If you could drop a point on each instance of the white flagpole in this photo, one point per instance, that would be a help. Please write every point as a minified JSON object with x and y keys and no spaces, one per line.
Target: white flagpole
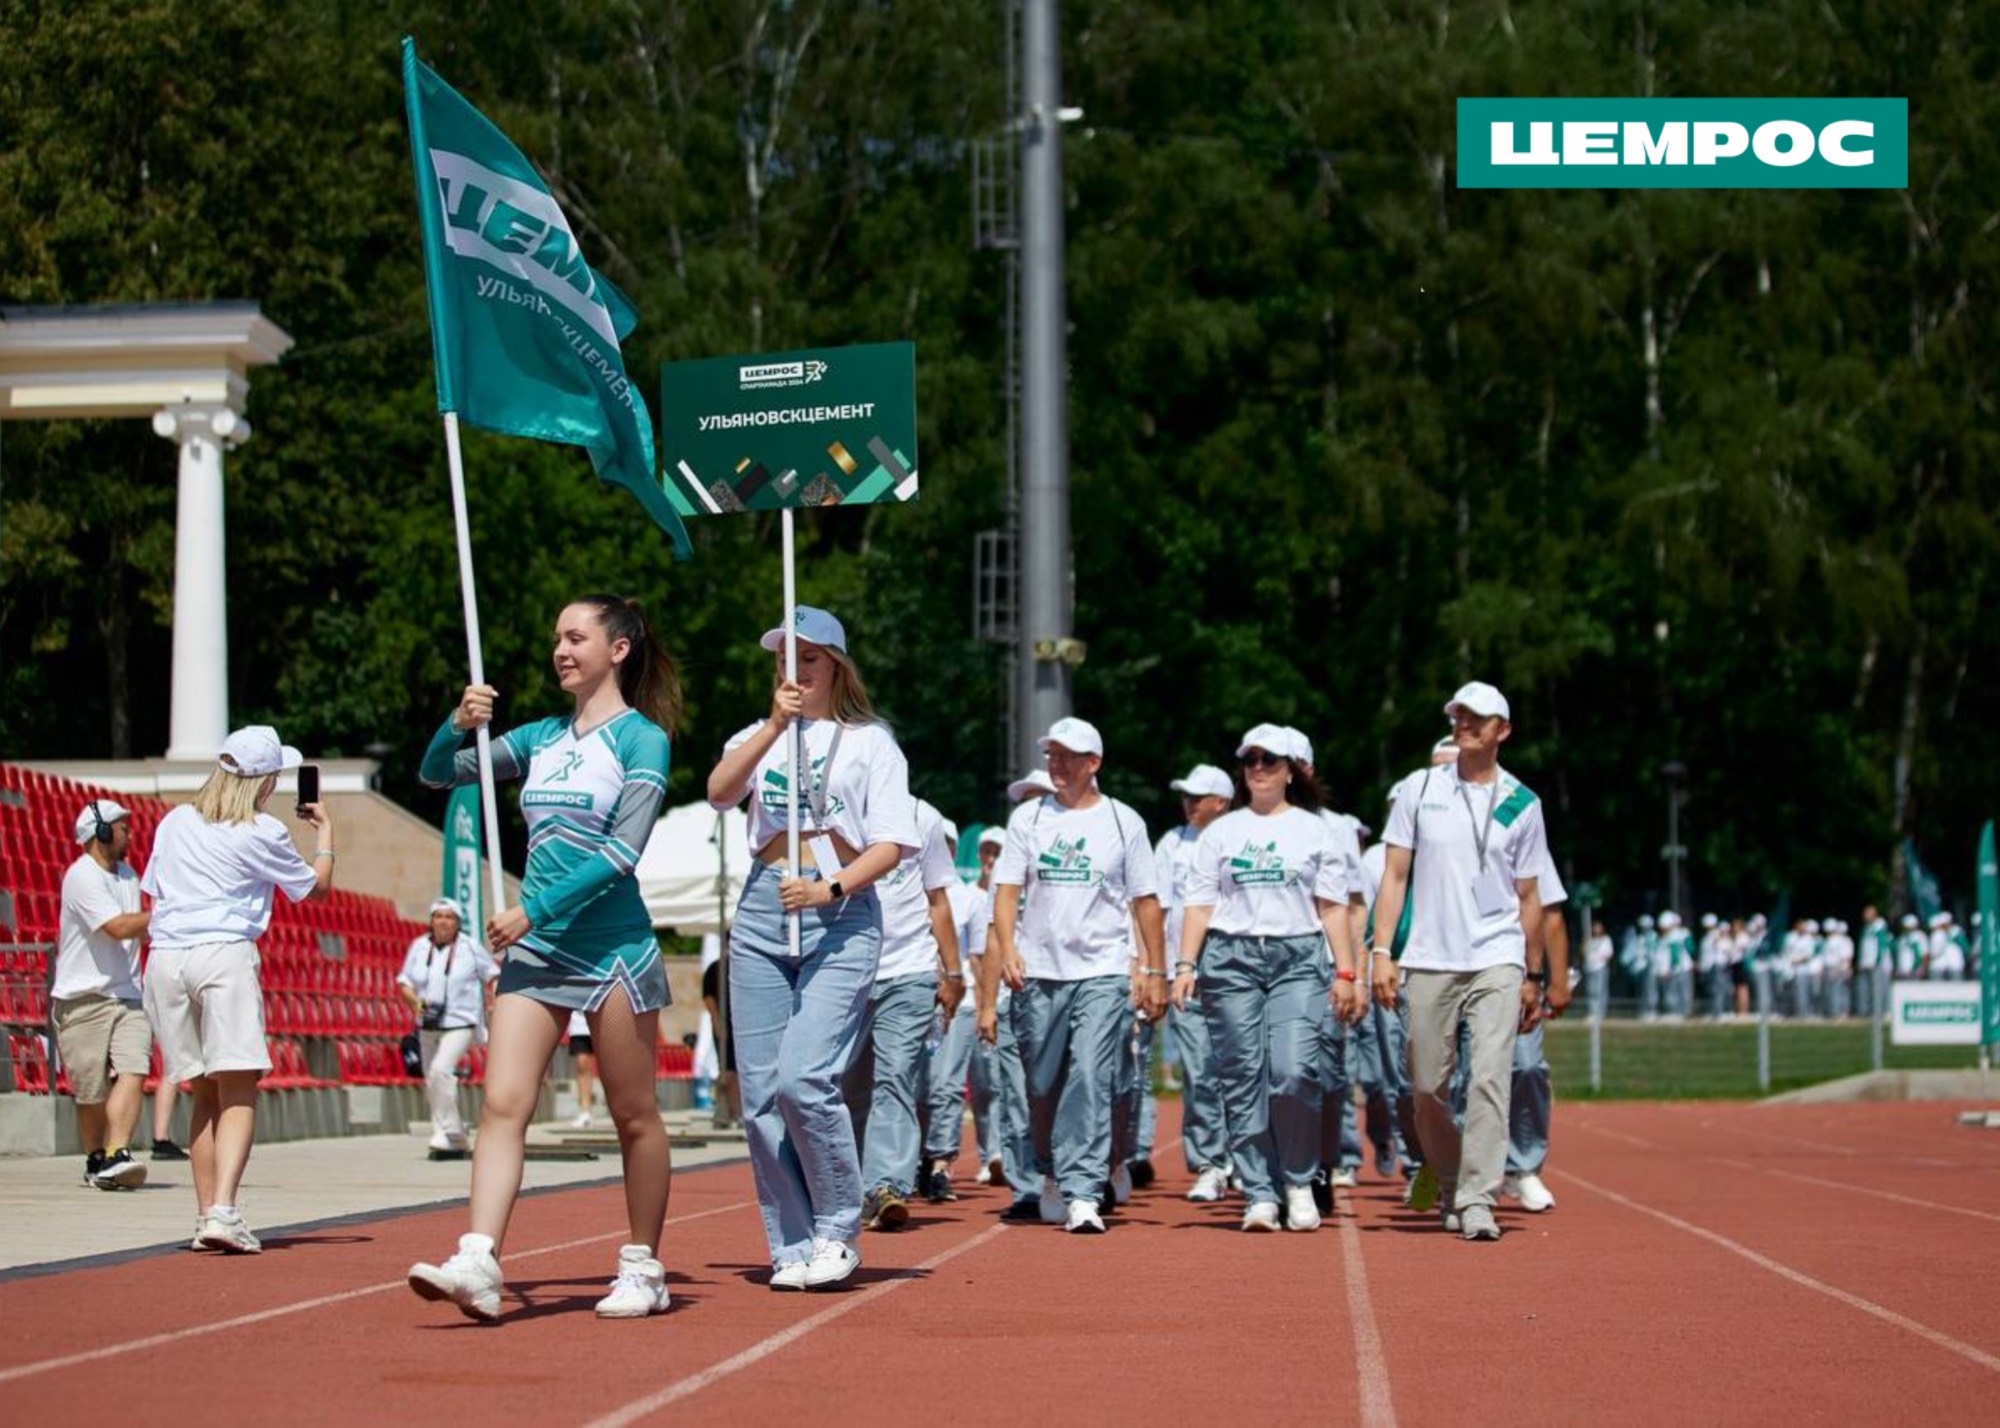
{"x":489,"y":801}
{"x":797,"y":732}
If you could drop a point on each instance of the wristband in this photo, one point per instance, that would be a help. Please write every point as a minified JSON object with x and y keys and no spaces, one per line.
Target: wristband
{"x":1152,"y":971}
{"x":1383,"y":952}
{"x":954,"y":976}
{"x":323,"y":853}
{"x":1186,"y":966}
{"x":1343,"y":975}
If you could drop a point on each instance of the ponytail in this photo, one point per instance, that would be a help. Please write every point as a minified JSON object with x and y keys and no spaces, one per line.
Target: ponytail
{"x":648,"y":677}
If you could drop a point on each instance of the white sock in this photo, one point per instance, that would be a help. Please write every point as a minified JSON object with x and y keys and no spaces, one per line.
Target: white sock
{"x":224,"y":1212}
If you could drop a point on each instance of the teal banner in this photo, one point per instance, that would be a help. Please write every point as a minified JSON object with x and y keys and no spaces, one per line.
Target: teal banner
{"x":461,"y":855}
{"x":1683,"y":143}
{"x":827,"y":426}
{"x":1989,"y":938}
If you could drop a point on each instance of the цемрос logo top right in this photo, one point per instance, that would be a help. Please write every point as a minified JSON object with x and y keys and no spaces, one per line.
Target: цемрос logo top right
{"x":1683,"y":143}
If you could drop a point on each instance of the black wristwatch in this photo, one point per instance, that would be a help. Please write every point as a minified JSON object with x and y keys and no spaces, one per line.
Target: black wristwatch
{"x":833,"y":886}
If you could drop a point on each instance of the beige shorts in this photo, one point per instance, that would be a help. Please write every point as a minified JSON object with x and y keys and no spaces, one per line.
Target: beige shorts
{"x":101,"y":1037}
{"x":207,"y":1009}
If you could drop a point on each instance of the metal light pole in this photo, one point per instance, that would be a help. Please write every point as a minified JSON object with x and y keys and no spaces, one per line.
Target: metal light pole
{"x":1675,"y":774}
{"x":1046,"y":650}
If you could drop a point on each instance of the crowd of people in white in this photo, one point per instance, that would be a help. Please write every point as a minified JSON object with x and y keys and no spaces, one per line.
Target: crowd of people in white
{"x":1820,"y":968}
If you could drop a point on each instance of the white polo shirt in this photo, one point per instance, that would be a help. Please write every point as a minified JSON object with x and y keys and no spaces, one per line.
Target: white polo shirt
{"x":89,"y":962}
{"x":1453,"y":926}
{"x":908,"y":945}
{"x":1083,"y":869}
{"x":212,"y":882}
{"x":453,"y":977}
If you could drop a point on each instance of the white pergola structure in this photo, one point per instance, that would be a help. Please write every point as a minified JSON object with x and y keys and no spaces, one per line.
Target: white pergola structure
{"x":186,"y":366}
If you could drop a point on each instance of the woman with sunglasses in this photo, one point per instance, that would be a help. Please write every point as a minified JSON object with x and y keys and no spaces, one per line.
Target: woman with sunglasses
{"x":1267,"y":897}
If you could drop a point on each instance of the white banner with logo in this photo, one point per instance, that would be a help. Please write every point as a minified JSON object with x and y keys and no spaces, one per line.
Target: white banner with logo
{"x":1934,"y":1014}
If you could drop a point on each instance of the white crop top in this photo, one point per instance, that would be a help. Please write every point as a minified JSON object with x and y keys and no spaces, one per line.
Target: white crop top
{"x":866,"y":796}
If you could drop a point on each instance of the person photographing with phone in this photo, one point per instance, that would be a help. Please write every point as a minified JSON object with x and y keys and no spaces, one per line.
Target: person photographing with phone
{"x":216,"y":863}
{"x":447,"y":979}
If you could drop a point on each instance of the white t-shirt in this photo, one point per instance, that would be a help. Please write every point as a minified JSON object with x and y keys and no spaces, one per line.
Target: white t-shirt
{"x":1372,"y":863}
{"x":212,"y":882}
{"x":867,"y":794}
{"x":1262,"y":873}
{"x":1597,"y":953}
{"x":1173,"y":861}
{"x":1347,"y":838}
{"x":88,"y":961}
{"x":1083,"y":868}
{"x":1839,"y":955}
{"x":970,"y":915}
{"x":453,"y":977}
{"x":908,"y":945}
{"x":1449,"y":931}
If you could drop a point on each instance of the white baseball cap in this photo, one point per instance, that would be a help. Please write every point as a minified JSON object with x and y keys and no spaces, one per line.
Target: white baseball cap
{"x":1302,"y":747}
{"x":1670,"y":918}
{"x":1272,"y":739}
{"x":256,"y":751}
{"x":815,"y":627}
{"x":1481,"y":699}
{"x":1942,"y":919}
{"x":447,"y":904}
{"x":1646,"y":919}
{"x":1079,"y":736}
{"x":1910,"y":921}
{"x":992,"y":837}
{"x":98,"y":810}
{"x":1708,"y":919}
{"x":1204,"y":781}
{"x":1032,"y":784}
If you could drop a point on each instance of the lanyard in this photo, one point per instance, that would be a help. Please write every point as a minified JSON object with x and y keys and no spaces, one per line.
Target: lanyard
{"x":1482,"y":834}
{"x":430,"y":958}
{"x":817,"y":789}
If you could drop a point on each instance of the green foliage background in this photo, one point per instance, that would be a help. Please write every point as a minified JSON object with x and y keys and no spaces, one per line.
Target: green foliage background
{"x":1706,"y":476}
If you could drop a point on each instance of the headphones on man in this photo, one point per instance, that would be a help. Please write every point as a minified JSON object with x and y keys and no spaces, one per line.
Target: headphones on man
{"x":101,"y":832}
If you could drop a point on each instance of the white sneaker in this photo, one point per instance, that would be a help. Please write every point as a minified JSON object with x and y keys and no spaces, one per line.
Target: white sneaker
{"x":582,"y":1121}
{"x":831,"y":1263}
{"x":1534,"y":1196}
{"x":985,"y":1175}
{"x":1083,"y":1219}
{"x":640,"y":1288}
{"x":1121,"y":1185}
{"x":1345,"y":1179}
{"x":1209,"y":1186}
{"x":1476,"y":1222}
{"x":470,"y":1279}
{"x":1262,"y":1215}
{"x":1300,"y":1212}
{"x":789,"y":1276}
{"x":1054,"y":1210}
{"x":227,"y":1233}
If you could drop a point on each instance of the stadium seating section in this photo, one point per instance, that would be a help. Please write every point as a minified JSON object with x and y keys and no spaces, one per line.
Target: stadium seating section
{"x":331,"y":1009}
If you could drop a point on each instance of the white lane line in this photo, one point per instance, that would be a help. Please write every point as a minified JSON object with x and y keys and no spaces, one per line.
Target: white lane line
{"x":175,"y":1336}
{"x":1371,"y":1367}
{"x":1619,"y":1135}
{"x":1889,"y":1195}
{"x":763,"y":1349}
{"x":1784,"y":1271}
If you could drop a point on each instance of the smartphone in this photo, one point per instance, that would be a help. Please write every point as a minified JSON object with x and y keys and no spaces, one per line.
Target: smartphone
{"x":308,"y":784}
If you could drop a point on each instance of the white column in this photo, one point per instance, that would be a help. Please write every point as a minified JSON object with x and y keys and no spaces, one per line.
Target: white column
{"x":200,"y":717}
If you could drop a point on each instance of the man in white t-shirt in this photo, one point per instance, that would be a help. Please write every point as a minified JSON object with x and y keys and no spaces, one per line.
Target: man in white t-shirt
{"x":96,"y":1002}
{"x":918,"y":979}
{"x":1205,"y":795}
{"x":1087,"y":867}
{"x":1467,"y":844}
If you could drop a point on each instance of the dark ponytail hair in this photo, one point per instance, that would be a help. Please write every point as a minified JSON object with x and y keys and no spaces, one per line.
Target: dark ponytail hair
{"x":1304,"y":791}
{"x":648,"y":678}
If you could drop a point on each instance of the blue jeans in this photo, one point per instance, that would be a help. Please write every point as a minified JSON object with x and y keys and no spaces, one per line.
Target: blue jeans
{"x":1069,"y":1034}
{"x":797,"y":1024}
{"x":1530,"y":1100}
{"x":884,"y":1083}
{"x":1382,"y":1044}
{"x":1204,"y":1129}
{"x":950,"y":1068}
{"x":1013,"y":1136}
{"x":1264,"y":997}
{"x":1340,"y":1132}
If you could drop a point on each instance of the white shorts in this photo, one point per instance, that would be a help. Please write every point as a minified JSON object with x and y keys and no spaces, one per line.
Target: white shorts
{"x":207,"y":1009}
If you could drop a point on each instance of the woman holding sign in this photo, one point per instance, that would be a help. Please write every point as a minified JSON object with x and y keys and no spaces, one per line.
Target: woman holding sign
{"x":581,"y":939}
{"x":797,"y":1016}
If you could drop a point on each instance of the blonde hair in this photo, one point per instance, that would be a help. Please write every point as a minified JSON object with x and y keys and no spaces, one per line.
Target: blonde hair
{"x":849,"y":701}
{"x":229,"y":797}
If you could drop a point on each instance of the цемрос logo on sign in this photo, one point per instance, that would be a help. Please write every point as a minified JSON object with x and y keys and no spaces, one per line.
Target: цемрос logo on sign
{"x":1683,"y":143}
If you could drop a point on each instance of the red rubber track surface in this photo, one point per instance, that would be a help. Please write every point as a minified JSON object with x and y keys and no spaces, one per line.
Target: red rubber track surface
{"x":1716,"y":1264}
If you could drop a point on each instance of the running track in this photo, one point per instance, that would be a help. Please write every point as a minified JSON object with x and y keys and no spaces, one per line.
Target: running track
{"x":1716,"y":1264}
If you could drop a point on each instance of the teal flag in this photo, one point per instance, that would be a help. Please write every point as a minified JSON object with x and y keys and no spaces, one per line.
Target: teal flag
{"x":524,"y":335}
{"x":461,"y":855}
{"x":1923,"y":884}
{"x":1989,"y":938}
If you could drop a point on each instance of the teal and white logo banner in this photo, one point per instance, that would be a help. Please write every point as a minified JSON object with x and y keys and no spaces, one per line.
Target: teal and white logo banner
{"x":1934,"y":1014}
{"x":461,"y":855}
{"x":1683,"y":143}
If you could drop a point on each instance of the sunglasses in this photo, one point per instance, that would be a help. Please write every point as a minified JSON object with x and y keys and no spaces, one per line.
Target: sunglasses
{"x":1261,"y":759}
